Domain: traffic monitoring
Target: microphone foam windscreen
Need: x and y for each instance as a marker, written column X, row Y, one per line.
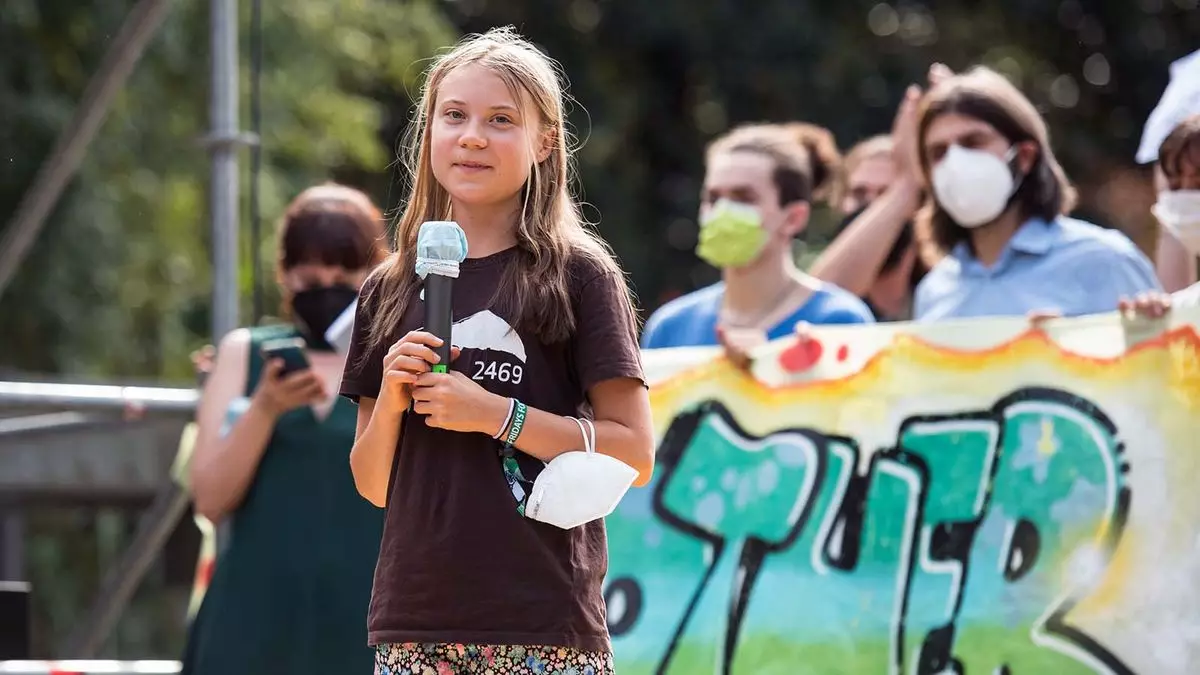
column 441, row 246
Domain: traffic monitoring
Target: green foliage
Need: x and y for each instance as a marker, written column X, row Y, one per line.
column 660, row 79
column 119, row 282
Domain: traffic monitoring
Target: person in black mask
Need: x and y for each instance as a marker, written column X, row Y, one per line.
column 889, row 294
column 876, row 253
column 290, row 590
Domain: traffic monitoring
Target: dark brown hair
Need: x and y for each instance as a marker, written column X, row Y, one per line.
column 331, row 224
column 805, row 156
column 984, row 94
column 1181, row 147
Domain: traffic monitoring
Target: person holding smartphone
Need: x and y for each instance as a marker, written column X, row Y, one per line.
column 290, row 590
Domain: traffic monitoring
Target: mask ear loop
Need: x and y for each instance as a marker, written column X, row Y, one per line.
column 582, row 431
column 589, row 438
column 1018, row 179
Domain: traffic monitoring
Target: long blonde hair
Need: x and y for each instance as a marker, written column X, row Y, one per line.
column 550, row 231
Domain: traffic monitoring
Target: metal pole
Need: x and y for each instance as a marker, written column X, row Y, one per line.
column 225, row 140
column 12, row 543
column 140, row 26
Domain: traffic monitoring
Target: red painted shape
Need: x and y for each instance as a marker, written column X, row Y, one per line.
column 206, row 572
column 843, row 353
column 801, row 356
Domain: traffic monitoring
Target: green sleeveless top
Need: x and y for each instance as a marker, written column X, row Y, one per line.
column 290, row 590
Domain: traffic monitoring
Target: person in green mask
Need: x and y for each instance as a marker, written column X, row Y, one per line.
column 759, row 184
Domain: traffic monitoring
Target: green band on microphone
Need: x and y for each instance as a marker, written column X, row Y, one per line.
column 439, row 368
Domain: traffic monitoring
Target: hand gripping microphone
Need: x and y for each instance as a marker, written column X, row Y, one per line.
column 441, row 246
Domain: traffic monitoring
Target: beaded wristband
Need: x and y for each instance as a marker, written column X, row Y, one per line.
column 519, row 411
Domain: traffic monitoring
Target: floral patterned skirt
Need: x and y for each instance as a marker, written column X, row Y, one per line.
column 459, row 659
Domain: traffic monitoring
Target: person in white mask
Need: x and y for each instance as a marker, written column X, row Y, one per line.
column 1174, row 263
column 1178, row 206
column 1178, row 211
column 997, row 209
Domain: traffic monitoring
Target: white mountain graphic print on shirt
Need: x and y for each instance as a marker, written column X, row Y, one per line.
column 497, row 354
column 486, row 332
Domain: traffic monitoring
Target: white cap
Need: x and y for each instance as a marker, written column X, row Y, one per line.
column 1180, row 100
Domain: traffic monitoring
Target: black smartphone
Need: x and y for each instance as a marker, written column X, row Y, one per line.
column 290, row 351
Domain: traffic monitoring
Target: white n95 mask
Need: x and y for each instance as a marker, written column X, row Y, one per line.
column 973, row 186
column 1179, row 212
column 579, row 487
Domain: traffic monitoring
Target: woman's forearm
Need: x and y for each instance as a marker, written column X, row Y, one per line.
column 375, row 449
column 221, row 477
column 546, row 436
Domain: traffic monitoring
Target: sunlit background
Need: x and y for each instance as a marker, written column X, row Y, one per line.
column 117, row 286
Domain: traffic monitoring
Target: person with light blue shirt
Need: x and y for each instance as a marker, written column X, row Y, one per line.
column 758, row 187
column 998, row 208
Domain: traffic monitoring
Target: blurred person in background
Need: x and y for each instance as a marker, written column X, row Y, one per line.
column 875, row 255
column 1178, row 211
column 1174, row 263
column 871, row 167
column 290, row 589
column 997, row 211
column 759, row 185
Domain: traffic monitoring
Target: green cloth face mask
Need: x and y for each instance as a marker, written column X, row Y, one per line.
column 731, row 235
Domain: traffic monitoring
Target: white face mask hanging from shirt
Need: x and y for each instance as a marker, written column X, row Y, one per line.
column 578, row 487
column 1179, row 212
column 974, row 186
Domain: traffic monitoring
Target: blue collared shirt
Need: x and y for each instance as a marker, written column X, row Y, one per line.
column 1067, row 265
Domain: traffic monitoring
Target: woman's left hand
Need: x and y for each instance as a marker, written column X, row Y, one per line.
column 455, row 402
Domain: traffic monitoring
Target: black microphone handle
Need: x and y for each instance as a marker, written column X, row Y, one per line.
column 438, row 317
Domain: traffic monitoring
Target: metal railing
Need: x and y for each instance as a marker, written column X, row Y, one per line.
column 88, row 667
column 114, row 397
column 155, row 526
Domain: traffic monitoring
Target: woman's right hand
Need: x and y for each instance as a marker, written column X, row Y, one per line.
column 411, row 356
column 277, row 394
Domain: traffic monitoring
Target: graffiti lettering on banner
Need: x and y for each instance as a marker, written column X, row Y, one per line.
column 919, row 504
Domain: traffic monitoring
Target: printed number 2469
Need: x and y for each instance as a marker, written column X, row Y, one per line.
column 504, row 372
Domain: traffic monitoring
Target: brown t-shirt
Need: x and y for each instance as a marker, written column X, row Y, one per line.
column 457, row 562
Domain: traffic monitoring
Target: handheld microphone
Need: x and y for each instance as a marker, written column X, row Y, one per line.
column 441, row 246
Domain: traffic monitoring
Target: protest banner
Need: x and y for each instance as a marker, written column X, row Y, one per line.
column 971, row 497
